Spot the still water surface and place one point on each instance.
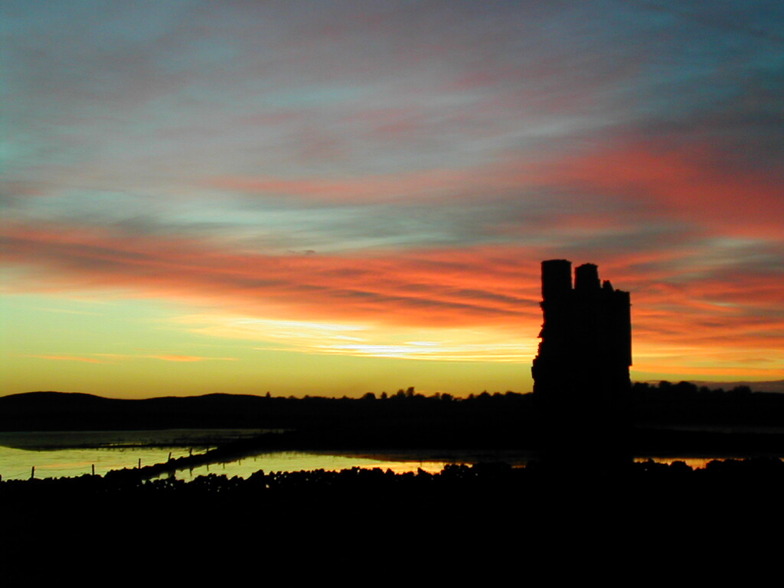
(70, 454)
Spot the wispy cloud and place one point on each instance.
(717, 297)
(115, 357)
(189, 358)
(84, 359)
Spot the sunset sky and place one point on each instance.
(333, 198)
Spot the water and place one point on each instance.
(293, 461)
(54, 454)
(71, 454)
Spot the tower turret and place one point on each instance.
(585, 349)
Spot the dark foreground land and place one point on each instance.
(559, 509)
(477, 519)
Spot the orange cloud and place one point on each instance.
(67, 358)
(691, 307)
(438, 287)
(189, 358)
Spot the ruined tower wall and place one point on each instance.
(585, 349)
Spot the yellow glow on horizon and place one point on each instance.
(138, 348)
(135, 348)
(367, 340)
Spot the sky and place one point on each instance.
(339, 197)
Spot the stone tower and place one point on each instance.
(585, 351)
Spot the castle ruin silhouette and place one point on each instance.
(582, 367)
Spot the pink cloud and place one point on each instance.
(617, 187)
(686, 184)
(364, 189)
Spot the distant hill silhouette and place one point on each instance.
(767, 386)
(663, 417)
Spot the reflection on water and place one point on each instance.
(19, 464)
(692, 462)
(293, 461)
(56, 454)
(68, 454)
(65, 454)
